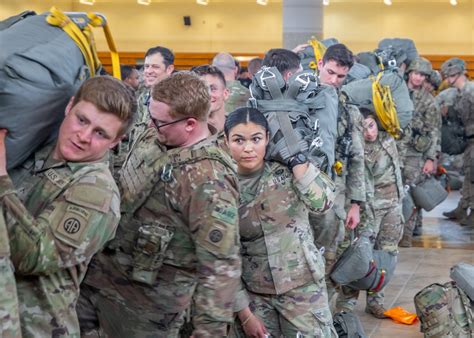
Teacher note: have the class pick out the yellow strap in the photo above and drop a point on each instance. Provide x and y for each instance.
(59, 19)
(385, 108)
(319, 50)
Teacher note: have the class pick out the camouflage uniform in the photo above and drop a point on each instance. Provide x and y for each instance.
(465, 107)
(59, 216)
(191, 194)
(282, 270)
(238, 96)
(350, 186)
(381, 220)
(9, 317)
(419, 143)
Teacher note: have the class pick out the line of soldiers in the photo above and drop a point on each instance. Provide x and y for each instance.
(164, 237)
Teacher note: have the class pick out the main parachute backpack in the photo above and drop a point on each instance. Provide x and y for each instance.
(301, 113)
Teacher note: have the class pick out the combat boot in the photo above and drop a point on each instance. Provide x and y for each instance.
(376, 310)
(468, 220)
(405, 242)
(459, 213)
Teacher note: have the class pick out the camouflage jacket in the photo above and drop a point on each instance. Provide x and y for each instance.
(382, 166)
(142, 117)
(465, 107)
(349, 125)
(277, 245)
(422, 133)
(59, 216)
(193, 193)
(238, 96)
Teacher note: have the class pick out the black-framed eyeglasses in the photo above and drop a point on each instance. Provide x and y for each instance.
(155, 123)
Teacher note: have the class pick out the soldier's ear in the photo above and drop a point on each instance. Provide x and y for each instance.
(69, 106)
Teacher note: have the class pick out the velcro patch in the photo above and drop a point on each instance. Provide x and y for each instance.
(90, 196)
(56, 178)
(71, 228)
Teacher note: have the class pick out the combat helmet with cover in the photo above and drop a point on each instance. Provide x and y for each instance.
(420, 65)
(435, 79)
(453, 67)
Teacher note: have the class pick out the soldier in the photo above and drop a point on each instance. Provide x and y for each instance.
(238, 93)
(282, 270)
(63, 206)
(381, 220)
(432, 83)
(454, 72)
(219, 94)
(130, 76)
(350, 187)
(178, 236)
(419, 144)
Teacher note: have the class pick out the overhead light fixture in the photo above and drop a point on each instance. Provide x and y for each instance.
(202, 2)
(262, 2)
(144, 2)
(453, 2)
(326, 2)
(387, 2)
(87, 2)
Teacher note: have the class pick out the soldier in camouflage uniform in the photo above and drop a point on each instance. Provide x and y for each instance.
(283, 291)
(178, 237)
(454, 71)
(381, 219)
(62, 205)
(9, 317)
(238, 94)
(419, 144)
(329, 229)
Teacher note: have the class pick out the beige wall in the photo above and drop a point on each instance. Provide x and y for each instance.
(231, 26)
(435, 26)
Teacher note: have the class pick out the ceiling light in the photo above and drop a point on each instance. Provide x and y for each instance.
(326, 2)
(87, 2)
(202, 2)
(453, 2)
(144, 2)
(387, 2)
(262, 2)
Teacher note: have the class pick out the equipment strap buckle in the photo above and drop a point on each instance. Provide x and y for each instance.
(264, 77)
(166, 172)
(304, 79)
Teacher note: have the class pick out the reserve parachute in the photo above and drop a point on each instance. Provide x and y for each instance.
(43, 61)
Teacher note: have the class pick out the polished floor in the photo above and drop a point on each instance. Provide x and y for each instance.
(442, 244)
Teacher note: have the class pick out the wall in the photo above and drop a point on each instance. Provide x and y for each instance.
(221, 26)
(435, 26)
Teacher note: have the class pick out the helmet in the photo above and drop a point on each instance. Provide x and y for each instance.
(421, 65)
(452, 67)
(435, 79)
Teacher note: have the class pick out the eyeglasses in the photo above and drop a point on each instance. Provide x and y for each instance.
(155, 123)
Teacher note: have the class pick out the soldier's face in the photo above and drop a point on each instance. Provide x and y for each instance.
(330, 73)
(219, 94)
(370, 129)
(133, 79)
(86, 133)
(155, 70)
(247, 143)
(416, 79)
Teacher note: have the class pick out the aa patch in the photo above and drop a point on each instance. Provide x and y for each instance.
(72, 227)
(215, 236)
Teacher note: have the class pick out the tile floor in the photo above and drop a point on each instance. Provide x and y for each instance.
(442, 244)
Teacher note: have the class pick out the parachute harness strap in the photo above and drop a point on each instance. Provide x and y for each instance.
(84, 39)
(385, 108)
(319, 50)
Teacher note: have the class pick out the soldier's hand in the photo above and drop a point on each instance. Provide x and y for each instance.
(254, 327)
(3, 152)
(299, 48)
(429, 167)
(353, 216)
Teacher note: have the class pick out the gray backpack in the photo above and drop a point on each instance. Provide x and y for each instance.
(348, 325)
(428, 194)
(41, 67)
(302, 115)
(406, 45)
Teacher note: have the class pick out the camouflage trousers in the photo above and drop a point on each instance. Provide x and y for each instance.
(9, 316)
(301, 312)
(467, 199)
(387, 230)
(412, 174)
(329, 232)
(103, 316)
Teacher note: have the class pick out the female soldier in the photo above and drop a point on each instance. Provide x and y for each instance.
(381, 218)
(283, 291)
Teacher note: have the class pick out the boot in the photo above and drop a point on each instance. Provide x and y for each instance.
(376, 310)
(458, 213)
(468, 220)
(417, 231)
(405, 242)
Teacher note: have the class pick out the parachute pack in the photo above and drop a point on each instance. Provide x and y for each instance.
(43, 61)
(302, 115)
